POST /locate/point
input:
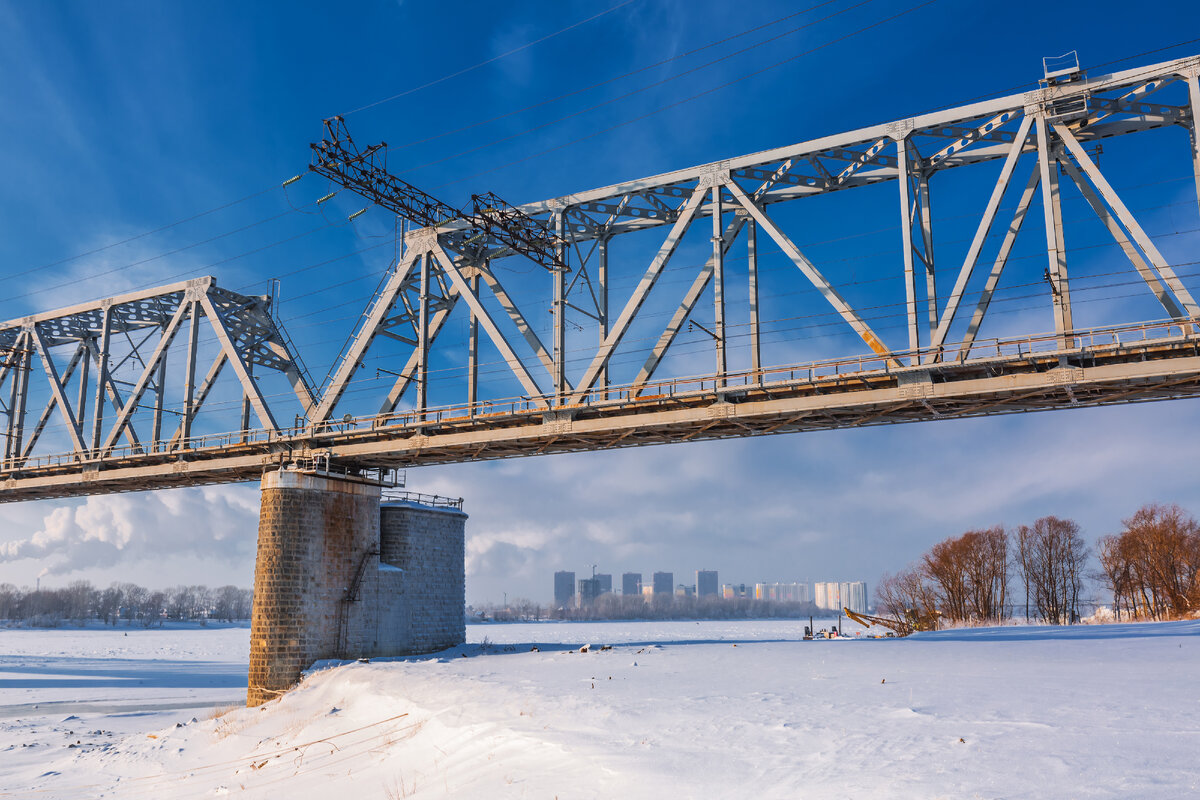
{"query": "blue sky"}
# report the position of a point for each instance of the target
(121, 118)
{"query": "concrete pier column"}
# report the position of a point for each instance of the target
(316, 535)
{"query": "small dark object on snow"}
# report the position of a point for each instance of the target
(962, 741)
(534, 649)
(883, 681)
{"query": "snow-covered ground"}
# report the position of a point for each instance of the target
(673, 710)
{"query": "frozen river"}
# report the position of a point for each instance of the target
(673, 709)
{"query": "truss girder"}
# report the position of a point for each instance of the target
(147, 324)
(455, 267)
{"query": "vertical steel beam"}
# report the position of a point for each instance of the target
(405, 377)
(473, 351)
(189, 379)
(245, 416)
(718, 259)
(560, 309)
(139, 388)
(102, 376)
(423, 340)
(1056, 248)
(20, 394)
(752, 263)
(1193, 82)
(602, 305)
(84, 373)
(927, 248)
(910, 277)
(206, 385)
(160, 399)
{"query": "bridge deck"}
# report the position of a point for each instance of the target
(1105, 366)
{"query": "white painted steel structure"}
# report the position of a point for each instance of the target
(1040, 139)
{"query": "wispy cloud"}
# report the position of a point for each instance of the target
(139, 530)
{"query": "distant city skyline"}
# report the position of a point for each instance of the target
(831, 595)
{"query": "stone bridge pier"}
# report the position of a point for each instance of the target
(344, 573)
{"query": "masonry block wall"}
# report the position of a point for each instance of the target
(317, 536)
(428, 545)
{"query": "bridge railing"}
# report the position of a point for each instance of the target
(1098, 339)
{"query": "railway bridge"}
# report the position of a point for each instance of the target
(191, 383)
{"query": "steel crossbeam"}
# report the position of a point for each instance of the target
(565, 335)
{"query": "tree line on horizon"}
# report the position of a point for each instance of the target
(1151, 568)
(80, 602)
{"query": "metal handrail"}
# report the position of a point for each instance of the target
(676, 389)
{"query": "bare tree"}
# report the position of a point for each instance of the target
(908, 598)
(1153, 565)
(1051, 558)
(970, 573)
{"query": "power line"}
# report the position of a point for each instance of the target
(694, 97)
(491, 60)
(645, 87)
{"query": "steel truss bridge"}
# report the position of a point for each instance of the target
(101, 368)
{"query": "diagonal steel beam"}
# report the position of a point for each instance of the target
(814, 275)
(249, 386)
(110, 390)
(405, 378)
(383, 304)
(1118, 234)
(143, 381)
(617, 332)
(514, 313)
(206, 385)
(489, 325)
(56, 389)
(981, 234)
(1127, 219)
(692, 296)
(906, 245)
(1010, 238)
(52, 403)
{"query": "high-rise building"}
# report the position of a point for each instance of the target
(828, 596)
(589, 590)
(854, 595)
(564, 589)
(631, 583)
(664, 583)
(836, 596)
(604, 585)
(706, 583)
(731, 590)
